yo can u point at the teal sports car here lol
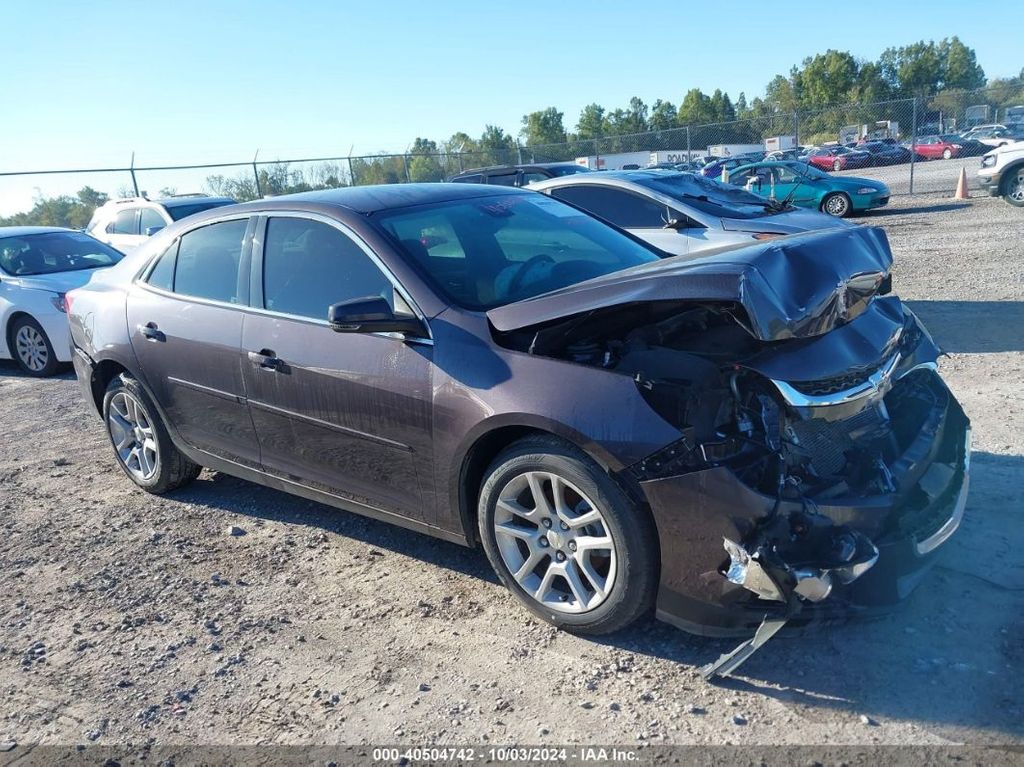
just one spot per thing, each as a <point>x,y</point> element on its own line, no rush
<point>805,186</point>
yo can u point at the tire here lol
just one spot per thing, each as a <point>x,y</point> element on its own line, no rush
<point>837,204</point>
<point>142,446</point>
<point>1013,186</point>
<point>837,165</point>
<point>615,574</point>
<point>947,153</point>
<point>32,350</point>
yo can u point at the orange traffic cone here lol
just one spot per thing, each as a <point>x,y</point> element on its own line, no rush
<point>961,186</point>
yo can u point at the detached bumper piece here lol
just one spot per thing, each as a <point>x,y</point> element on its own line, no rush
<point>792,560</point>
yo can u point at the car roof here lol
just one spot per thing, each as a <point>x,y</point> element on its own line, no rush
<point>177,202</point>
<point>523,166</point>
<point>370,199</point>
<point>21,231</point>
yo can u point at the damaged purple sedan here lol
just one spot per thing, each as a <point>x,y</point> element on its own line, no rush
<point>756,437</point>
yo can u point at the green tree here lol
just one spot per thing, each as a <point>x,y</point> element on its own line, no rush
<point>696,108</point>
<point>63,210</point>
<point>825,80</point>
<point>543,127</point>
<point>961,65</point>
<point>497,146</point>
<point>664,115</point>
<point>591,124</point>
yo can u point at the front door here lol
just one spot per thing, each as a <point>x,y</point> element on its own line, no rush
<point>185,319</point>
<point>345,413</point>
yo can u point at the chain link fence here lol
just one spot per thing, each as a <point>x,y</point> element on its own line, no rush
<point>911,123</point>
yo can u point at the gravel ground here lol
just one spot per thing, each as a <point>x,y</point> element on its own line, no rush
<point>930,176</point>
<point>126,618</point>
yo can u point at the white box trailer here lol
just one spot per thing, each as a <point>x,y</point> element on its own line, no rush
<point>779,143</point>
<point>671,156</point>
<point>731,150</point>
<point>615,161</point>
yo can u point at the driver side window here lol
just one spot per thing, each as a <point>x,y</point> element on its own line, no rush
<point>308,266</point>
<point>622,208</point>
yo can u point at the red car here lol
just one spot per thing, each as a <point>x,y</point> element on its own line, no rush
<point>934,147</point>
<point>838,158</point>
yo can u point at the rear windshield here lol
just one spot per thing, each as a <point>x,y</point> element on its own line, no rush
<point>178,212</point>
<point>51,252</point>
<point>485,252</point>
<point>709,196</point>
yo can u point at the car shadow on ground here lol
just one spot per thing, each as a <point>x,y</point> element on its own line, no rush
<point>238,496</point>
<point>886,212</point>
<point>973,327</point>
<point>10,369</point>
<point>961,630</point>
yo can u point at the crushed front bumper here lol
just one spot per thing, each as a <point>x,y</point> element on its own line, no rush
<point>694,512</point>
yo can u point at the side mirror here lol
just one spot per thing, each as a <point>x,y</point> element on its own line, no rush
<point>151,230</point>
<point>371,315</point>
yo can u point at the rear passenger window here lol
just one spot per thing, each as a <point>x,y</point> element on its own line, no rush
<point>308,266</point>
<point>162,275</point>
<point>208,260</point>
<point>123,223</point>
<point>150,219</point>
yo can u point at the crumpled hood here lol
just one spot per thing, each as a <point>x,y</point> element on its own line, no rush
<point>793,287</point>
<point>59,282</point>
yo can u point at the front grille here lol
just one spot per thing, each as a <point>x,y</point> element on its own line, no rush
<point>825,386</point>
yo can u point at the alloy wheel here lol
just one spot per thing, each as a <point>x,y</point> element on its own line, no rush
<point>555,542</point>
<point>131,431</point>
<point>31,347</point>
<point>836,205</point>
<point>1016,188</point>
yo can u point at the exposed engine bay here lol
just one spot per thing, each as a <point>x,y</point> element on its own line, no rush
<point>802,421</point>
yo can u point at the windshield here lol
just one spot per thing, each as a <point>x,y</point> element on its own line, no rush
<point>178,212</point>
<point>567,170</point>
<point>51,252</point>
<point>489,251</point>
<point>709,196</point>
<point>808,171</point>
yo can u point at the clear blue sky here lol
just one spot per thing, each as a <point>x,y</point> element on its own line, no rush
<point>85,83</point>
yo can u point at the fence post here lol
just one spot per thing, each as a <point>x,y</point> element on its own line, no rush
<point>913,143</point>
<point>519,153</point>
<point>689,154</point>
<point>796,128</point>
<point>135,184</point>
<point>405,162</point>
<point>256,175</point>
<point>351,172</point>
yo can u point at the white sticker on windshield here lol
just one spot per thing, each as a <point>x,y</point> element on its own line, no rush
<point>555,208</point>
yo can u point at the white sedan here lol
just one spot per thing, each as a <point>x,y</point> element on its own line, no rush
<point>38,265</point>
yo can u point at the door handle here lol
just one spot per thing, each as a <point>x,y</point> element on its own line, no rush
<point>152,332</point>
<point>265,358</point>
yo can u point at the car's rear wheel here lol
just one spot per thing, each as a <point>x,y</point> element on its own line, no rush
<point>565,538</point>
<point>32,348</point>
<point>836,204</point>
<point>837,165</point>
<point>142,446</point>
<point>1013,187</point>
<point>947,153</point>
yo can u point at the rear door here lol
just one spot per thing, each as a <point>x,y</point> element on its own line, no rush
<point>185,318</point>
<point>345,413</point>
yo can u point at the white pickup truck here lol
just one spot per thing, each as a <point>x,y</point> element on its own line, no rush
<point>1002,173</point>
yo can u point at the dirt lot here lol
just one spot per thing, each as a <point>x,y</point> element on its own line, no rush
<point>129,618</point>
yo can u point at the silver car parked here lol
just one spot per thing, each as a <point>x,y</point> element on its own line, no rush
<point>683,214</point>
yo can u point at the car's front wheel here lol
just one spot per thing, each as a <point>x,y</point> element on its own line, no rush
<point>1013,187</point>
<point>142,446</point>
<point>947,153</point>
<point>837,165</point>
<point>32,348</point>
<point>836,204</point>
<point>566,539</point>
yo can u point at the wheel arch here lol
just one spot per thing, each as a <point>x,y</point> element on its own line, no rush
<point>1004,175</point>
<point>485,443</point>
<point>12,318</point>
